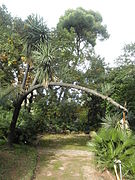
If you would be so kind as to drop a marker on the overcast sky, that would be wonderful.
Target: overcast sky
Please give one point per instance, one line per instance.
(118, 15)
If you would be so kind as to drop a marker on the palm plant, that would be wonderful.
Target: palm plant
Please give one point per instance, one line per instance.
(43, 62)
(111, 121)
(35, 31)
(111, 144)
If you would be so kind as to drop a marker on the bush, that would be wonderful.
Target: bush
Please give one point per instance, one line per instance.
(114, 144)
(5, 118)
(27, 127)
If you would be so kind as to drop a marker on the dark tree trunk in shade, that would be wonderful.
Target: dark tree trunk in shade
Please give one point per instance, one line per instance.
(12, 127)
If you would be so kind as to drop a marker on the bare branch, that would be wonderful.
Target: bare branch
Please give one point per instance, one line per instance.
(90, 91)
(25, 76)
(35, 79)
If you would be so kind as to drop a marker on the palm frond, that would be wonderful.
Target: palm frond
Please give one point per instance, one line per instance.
(36, 31)
(43, 61)
(110, 144)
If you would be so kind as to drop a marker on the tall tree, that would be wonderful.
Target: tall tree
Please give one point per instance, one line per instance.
(35, 32)
(128, 55)
(87, 25)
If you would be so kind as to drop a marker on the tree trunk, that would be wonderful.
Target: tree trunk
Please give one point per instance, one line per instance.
(87, 90)
(78, 46)
(30, 102)
(25, 76)
(24, 95)
(12, 127)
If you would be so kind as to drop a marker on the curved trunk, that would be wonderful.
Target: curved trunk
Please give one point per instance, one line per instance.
(12, 127)
(90, 91)
(31, 89)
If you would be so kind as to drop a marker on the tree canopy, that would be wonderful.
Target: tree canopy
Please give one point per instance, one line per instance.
(87, 25)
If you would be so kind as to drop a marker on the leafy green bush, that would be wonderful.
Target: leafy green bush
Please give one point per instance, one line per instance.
(5, 118)
(111, 121)
(27, 127)
(114, 144)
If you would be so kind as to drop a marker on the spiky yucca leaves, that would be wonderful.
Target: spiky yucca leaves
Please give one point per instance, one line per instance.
(111, 121)
(43, 61)
(110, 144)
(35, 31)
(116, 122)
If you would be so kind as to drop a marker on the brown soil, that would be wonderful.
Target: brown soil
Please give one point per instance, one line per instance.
(59, 164)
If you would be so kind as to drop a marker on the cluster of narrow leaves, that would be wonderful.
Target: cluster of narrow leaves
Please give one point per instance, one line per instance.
(114, 144)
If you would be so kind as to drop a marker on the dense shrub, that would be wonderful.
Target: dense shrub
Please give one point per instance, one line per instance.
(115, 144)
(5, 118)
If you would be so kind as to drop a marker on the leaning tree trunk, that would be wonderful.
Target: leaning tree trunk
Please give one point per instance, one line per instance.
(87, 90)
(11, 135)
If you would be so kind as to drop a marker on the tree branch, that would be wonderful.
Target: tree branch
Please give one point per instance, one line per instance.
(90, 91)
(35, 79)
(25, 76)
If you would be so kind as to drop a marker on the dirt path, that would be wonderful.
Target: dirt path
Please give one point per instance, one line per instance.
(67, 164)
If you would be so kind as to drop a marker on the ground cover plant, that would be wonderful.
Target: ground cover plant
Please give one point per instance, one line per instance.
(114, 143)
(18, 162)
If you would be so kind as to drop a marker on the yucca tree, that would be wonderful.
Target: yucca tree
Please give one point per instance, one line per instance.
(111, 121)
(35, 31)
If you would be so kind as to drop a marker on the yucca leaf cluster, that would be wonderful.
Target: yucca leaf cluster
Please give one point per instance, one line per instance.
(111, 144)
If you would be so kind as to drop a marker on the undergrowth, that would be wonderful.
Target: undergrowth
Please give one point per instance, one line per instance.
(111, 144)
(18, 162)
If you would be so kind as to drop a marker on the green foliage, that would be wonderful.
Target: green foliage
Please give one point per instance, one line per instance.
(87, 24)
(27, 127)
(5, 118)
(127, 57)
(111, 121)
(110, 144)
(5, 16)
(35, 31)
(10, 48)
(123, 82)
(18, 163)
(53, 116)
(94, 77)
(43, 61)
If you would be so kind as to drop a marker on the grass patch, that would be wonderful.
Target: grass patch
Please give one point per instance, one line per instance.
(18, 162)
(57, 165)
(58, 141)
(45, 158)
